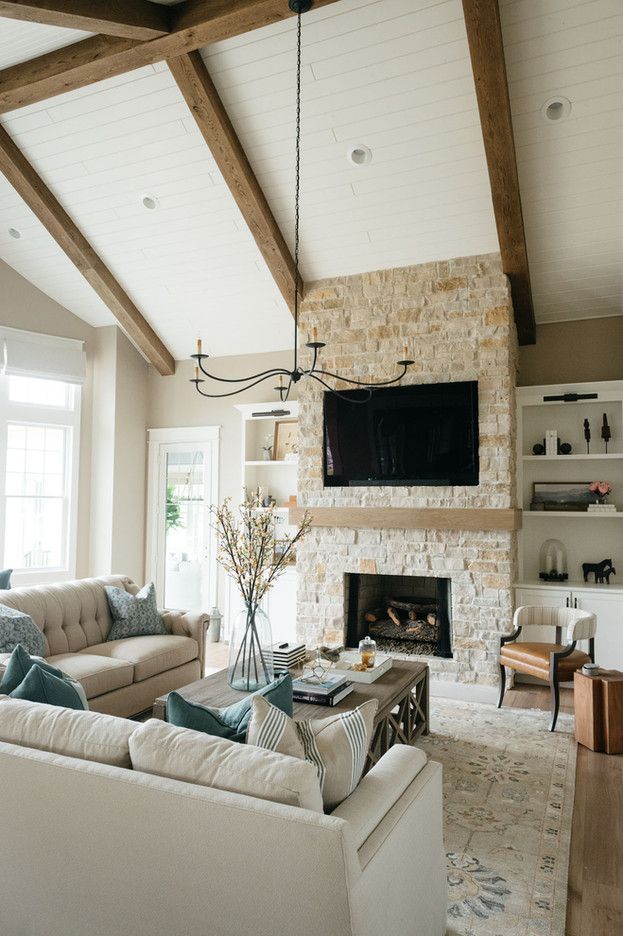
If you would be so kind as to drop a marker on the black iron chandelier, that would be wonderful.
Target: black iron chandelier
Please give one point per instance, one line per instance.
(293, 376)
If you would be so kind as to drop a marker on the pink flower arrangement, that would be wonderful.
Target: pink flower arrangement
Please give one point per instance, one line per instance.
(601, 488)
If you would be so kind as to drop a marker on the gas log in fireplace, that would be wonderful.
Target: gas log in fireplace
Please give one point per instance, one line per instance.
(403, 613)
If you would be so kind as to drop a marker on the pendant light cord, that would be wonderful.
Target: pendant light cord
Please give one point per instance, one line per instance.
(297, 188)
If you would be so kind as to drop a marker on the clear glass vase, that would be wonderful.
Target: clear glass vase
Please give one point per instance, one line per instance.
(250, 651)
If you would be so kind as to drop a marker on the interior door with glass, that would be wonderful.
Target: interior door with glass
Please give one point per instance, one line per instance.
(183, 486)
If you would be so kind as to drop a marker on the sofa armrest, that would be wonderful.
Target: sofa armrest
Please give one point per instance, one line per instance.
(379, 790)
(189, 624)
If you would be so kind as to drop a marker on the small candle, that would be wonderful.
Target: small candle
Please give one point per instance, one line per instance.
(405, 351)
(314, 333)
(196, 372)
(198, 345)
(549, 563)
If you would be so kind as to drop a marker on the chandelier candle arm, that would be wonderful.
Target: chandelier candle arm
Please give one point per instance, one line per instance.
(298, 7)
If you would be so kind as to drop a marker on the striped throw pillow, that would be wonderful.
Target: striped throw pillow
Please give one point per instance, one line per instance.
(337, 746)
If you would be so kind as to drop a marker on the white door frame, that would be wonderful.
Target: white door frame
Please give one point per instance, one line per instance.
(160, 440)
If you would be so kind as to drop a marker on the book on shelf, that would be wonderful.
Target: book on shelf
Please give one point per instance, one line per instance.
(326, 699)
(308, 683)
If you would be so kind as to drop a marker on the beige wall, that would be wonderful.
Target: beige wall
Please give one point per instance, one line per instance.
(173, 401)
(574, 351)
(22, 305)
(117, 541)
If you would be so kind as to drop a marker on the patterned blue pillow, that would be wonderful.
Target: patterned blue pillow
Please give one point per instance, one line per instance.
(5, 578)
(134, 615)
(19, 628)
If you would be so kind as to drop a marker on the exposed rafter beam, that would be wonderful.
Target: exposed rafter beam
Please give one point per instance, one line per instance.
(194, 24)
(131, 19)
(216, 128)
(31, 187)
(486, 48)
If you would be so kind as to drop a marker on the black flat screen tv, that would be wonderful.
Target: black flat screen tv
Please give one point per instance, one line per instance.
(420, 434)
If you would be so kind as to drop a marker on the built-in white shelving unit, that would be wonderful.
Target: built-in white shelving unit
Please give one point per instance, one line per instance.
(279, 480)
(587, 537)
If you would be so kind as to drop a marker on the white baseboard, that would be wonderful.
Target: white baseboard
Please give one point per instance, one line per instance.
(466, 692)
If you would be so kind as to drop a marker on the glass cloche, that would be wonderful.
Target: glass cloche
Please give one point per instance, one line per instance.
(553, 561)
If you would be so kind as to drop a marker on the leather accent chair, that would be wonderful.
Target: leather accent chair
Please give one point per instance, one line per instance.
(552, 662)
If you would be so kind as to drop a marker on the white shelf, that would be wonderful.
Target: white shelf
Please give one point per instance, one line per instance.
(573, 514)
(263, 463)
(568, 458)
(578, 585)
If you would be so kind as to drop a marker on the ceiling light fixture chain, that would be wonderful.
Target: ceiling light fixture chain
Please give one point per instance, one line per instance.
(293, 376)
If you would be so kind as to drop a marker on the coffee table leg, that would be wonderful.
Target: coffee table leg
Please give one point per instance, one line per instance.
(420, 707)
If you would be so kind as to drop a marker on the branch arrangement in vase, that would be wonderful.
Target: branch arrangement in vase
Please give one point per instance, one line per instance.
(246, 550)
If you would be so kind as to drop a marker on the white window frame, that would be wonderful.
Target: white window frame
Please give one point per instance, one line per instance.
(37, 414)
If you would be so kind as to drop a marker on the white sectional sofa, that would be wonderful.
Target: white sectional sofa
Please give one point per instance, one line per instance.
(92, 846)
(120, 677)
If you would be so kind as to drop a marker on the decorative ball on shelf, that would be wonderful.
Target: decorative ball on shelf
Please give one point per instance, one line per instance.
(538, 449)
(553, 561)
(565, 448)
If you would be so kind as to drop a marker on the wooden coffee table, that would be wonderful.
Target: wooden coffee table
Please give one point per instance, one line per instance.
(401, 717)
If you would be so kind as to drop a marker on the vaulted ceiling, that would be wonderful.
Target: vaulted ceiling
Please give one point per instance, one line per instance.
(394, 75)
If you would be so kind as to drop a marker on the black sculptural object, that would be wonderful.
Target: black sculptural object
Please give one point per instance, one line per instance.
(605, 431)
(587, 436)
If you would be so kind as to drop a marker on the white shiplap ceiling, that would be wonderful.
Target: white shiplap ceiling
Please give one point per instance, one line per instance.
(392, 74)
(570, 171)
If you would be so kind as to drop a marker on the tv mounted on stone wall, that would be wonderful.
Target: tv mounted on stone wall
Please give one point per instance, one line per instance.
(420, 434)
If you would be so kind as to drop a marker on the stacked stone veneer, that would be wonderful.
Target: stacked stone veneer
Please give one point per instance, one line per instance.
(456, 319)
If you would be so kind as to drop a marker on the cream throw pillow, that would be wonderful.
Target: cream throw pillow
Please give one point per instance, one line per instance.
(337, 746)
(183, 754)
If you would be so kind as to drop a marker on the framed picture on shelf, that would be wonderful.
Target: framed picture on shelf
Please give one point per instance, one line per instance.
(562, 495)
(286, 443)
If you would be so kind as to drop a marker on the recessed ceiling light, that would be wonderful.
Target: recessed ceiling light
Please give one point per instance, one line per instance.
(13, 232)
(150, 201)
(556, 108)
(359, 155)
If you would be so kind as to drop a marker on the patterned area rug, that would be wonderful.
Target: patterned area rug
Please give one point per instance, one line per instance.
(508, 803)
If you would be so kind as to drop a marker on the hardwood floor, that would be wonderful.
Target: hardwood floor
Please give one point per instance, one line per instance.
(595, 893)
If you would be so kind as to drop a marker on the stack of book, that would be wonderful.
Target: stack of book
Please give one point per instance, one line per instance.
(328, 691)
(286, 655)
(602, 508)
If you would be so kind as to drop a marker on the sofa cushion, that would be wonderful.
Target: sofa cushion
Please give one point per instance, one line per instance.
(18, 627)
(87, 735)
(231, 722)
(97, 674)
(337, 746)
(5, 579)
(38, 685)
(134, 615)
(17, 667)
(182, 754)
(149, 655)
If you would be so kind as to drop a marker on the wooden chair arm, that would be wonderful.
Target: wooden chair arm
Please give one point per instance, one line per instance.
(561, 654)
(508, 638)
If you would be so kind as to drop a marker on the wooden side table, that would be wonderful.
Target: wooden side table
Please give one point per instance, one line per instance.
(598, 702)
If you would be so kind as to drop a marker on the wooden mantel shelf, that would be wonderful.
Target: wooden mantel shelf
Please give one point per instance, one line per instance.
(407, 518)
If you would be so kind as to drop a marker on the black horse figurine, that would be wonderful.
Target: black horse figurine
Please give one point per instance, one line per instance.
(601, 570)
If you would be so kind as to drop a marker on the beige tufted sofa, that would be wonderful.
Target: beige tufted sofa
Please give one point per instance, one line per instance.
(120, 677)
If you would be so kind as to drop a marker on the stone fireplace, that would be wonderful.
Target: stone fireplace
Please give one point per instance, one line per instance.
(403, 613)
(456, 319)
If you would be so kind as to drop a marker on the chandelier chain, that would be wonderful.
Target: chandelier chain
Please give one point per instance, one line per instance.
(297, 191)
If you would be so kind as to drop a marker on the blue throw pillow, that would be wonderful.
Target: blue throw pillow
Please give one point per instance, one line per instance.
(19, 628)
(18, 665)
(41, 686)
(134, 615)
(231, 722)
(5, 578)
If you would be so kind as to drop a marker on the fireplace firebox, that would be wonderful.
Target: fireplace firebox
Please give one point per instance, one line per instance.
(403, 613)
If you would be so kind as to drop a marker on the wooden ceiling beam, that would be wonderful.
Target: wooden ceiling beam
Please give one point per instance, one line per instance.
(194, 24)
(486, 49)
(130, 19)
(217, 130)
(33, 190)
